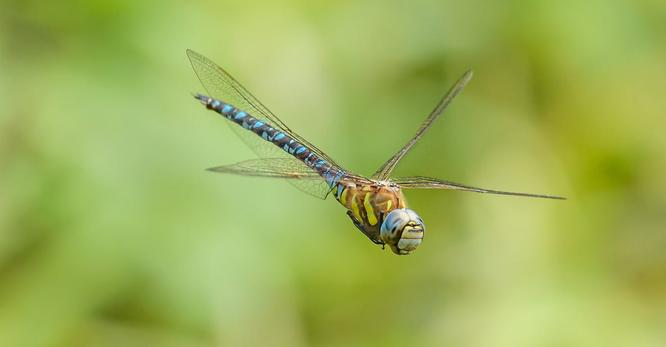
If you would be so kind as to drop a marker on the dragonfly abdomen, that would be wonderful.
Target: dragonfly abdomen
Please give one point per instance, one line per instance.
(266, 131)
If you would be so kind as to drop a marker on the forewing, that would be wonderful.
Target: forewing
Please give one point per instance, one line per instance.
(420, 182)
(385, 170)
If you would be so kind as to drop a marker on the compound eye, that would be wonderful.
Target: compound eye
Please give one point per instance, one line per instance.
(402, 230)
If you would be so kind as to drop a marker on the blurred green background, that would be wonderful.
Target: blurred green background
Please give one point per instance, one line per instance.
(112, 234)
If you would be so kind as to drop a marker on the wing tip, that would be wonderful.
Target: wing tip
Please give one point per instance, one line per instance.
(526, 195)
(529, 195)
(466, 76)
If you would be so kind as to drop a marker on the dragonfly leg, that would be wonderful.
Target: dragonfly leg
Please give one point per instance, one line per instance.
(358, 225)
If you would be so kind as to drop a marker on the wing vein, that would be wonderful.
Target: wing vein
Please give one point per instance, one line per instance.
(385, 170)
(421, 182)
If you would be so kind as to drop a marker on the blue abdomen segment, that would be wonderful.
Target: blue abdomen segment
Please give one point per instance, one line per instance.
(326, 170)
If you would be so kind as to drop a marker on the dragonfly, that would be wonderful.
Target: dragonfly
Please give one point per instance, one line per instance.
(376, 205)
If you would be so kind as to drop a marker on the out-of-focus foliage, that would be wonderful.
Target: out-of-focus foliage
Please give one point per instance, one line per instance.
(111, 233)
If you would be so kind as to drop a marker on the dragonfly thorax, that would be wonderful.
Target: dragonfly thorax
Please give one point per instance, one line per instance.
(379, 210)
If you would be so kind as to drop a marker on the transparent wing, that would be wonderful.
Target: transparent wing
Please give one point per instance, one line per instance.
(220, 85)
(268, 167)
(385, 170)
(300, 176)
(434, 183)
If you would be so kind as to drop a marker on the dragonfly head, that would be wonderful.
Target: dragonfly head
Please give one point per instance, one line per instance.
(402, 229)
